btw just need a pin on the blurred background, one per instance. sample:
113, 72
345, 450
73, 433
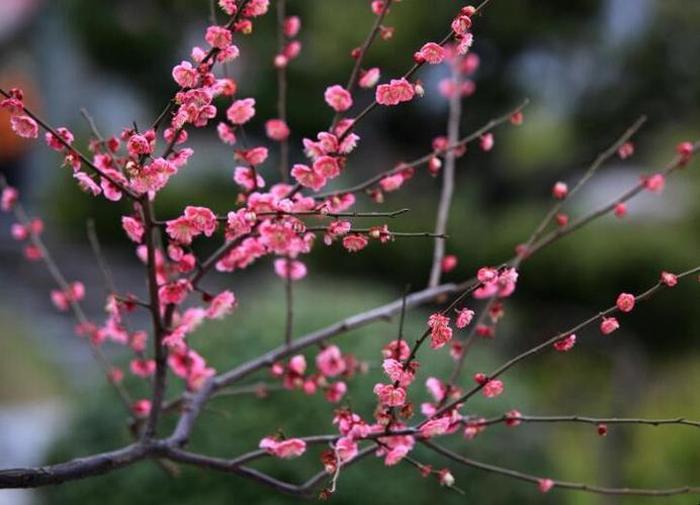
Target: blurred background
590, 68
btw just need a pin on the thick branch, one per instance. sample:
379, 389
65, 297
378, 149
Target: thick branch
72, 470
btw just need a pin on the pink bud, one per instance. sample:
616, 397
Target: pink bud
560, 190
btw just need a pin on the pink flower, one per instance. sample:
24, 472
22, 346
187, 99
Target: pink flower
8, 199
625, 302
24, 126
86, 183
396, 454
669, 279
545, 485
222, 305
330, 361
395, 370
218, 36
185, 75
654, 183
203, 219
464, 317
461, 24
397, 91
182, 230
354, 242
565, 344
446, 478
248, 179
133, 228
138, 145
560, 190
435, 427
241, 111
326, 166
174, 292
290, 269
286, 449
369, 78
390, 396
396, 349
308, 177
335, 392
277, 129
297, 364
431, 53
255, 8
608, 325
346, 449
391, 182
436, 389
440, 331
142, 367
226, 134
493, 388
55, 143
338, 98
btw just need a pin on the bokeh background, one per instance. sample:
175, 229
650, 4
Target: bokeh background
590, 68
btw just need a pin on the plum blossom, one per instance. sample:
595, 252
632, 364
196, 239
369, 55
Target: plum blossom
290, 269
175, 292
464, 317
435, 427
285, 449
608, 325
241, 111
142, 367
330, 361
185, 75
493, 388
430, 53
346, 449
277, 129
221, 305
338, 98
625, 302
218, 37
369, 78
440, 331
397, 91
24, 126
307, 177
354, 242
565, 344
669, 279
390, 395
396, 372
